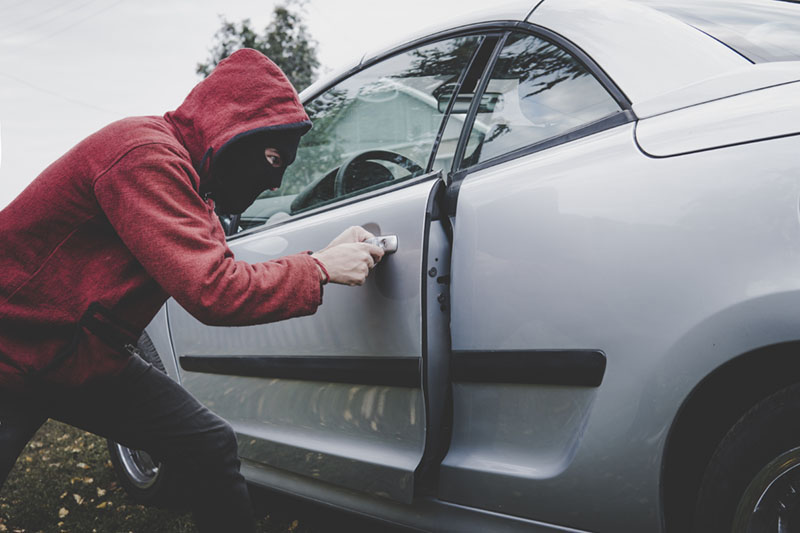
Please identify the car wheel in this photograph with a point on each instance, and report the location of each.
(752, 483)
(147, 481)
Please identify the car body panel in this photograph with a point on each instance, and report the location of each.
(761, 31)
(752, 116)
(427, 514)
(746, 79)
(362, 436)
(595, 245)
(645, 52)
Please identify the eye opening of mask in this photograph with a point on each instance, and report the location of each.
(273, 157)
(241, 170)
(283, 137)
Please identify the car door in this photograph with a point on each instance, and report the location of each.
(528, 247)
(339, 396)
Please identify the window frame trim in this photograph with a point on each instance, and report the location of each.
(459, 85)
(472, 113)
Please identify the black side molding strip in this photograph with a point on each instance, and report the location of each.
(382, 371)
(581, 368)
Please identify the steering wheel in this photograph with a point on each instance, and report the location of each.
(344, 174)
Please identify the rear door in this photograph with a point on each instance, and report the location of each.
(338, 396)
(529, 265)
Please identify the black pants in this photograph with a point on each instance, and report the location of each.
(143, 409)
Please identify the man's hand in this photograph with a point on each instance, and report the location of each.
(348, 259)
(351, 234)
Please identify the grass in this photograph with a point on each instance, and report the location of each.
(64, 482)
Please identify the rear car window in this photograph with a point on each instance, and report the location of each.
(537, 91)
(760, 30)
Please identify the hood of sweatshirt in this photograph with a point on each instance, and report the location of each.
(245, 97)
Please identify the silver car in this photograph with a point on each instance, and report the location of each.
(591, 318)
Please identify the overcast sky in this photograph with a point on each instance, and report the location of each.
(69, 67)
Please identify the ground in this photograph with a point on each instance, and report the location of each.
(64, 482)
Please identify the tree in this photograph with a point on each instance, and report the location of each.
(285, 40)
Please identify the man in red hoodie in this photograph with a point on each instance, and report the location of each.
(95, 245)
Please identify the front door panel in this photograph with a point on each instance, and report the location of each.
(304, 413)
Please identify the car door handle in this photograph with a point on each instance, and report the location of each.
(387, 242)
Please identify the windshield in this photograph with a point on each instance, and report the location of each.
(760, 30)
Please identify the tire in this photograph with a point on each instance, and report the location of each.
(752, 482)
(146, 481)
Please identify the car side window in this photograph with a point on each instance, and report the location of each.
(537, 91)
(373, 129)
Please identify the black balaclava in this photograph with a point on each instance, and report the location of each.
(240, 172)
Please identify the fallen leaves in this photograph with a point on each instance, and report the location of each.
(67, 491)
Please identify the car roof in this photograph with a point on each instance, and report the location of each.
(645, 52)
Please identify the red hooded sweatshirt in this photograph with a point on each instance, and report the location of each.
(93, 247)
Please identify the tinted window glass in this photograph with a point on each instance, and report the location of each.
(536, 91)
(373, 129)
(760, 30)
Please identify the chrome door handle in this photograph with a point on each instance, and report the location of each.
(387, 242)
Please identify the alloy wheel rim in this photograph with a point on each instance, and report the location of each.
(771, 502)
(140, 468)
